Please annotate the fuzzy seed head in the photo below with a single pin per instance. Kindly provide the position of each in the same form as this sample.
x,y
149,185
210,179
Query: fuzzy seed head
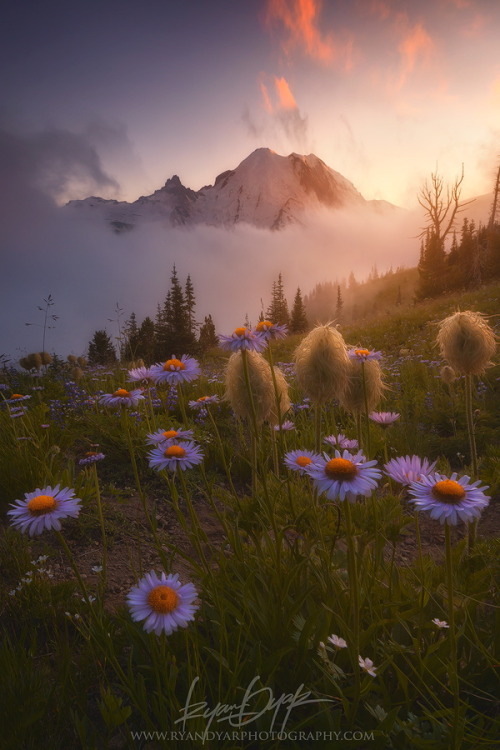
x,y
34,361
281,397
45,357
353,398
261,385
322,364
467,342
448,374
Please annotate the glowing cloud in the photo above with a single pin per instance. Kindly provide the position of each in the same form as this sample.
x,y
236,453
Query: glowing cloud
x,y
266,99
299,17
415,47
285,97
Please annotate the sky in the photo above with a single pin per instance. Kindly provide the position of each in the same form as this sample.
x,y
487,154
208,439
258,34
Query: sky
x,y
113,97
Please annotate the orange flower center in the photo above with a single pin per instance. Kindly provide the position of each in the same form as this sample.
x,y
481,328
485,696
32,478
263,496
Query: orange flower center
x,y
448,491
362,352
203,398
303,461
174,364
264,325
90,453
17,395
170,434
240,331
122,393
174,451
163,599
41,504
340,469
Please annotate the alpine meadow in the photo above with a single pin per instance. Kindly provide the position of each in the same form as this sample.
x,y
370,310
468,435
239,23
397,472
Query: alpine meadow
x,y
249,401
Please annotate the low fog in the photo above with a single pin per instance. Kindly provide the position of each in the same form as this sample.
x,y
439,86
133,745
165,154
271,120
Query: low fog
x,y
88,269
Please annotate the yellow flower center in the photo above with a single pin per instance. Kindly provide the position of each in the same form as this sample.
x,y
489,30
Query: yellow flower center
x,y
17,395
41,504
174,451
362,352
240,331
340,469
448,491
203,398
90,453
303,461
264,325
174,364
170,434
122,393
163,599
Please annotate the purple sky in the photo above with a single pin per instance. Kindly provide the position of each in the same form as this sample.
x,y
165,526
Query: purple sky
x,y
381,90
113,97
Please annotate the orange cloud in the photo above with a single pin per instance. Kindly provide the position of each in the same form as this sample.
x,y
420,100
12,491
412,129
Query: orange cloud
x,y
285,97
417,45
265,97
380,8
299,17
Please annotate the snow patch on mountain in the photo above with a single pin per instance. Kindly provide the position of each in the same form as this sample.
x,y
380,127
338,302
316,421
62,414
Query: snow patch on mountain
x,y
266,190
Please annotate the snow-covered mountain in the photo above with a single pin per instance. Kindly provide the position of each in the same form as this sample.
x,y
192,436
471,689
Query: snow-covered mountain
x,y
266,190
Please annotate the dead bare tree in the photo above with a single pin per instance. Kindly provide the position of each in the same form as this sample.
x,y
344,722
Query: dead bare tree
x,y
441,204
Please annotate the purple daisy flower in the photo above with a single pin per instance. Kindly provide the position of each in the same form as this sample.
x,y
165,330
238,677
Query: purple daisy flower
x,y
285,426
140,374
43,509
384,418
91,458
408,469
271,330
122,397
301,460
345,476
449,500
342,442
243,339
175,371
16,398
162,602
168,436
173,455
203,402
361,355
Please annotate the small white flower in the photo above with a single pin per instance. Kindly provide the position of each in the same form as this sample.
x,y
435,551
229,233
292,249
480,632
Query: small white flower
x,y
367,666
96,568
440,623
336,641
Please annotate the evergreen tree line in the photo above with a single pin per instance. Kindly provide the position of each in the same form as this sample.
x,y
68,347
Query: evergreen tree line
x,y
278,311
174,331
473,258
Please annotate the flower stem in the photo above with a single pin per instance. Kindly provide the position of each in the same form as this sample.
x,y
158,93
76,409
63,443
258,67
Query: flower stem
x,y
102,525
471,526
367,418
454,682
355,608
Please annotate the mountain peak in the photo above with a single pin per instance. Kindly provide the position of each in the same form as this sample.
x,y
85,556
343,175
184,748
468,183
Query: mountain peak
x,y
266,190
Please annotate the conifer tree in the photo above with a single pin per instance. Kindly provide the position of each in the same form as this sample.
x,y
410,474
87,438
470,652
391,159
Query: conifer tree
x,y
208,337
431,267
128,347
181,338
340,305
146,341
101,350
190,304
298,318
277,311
